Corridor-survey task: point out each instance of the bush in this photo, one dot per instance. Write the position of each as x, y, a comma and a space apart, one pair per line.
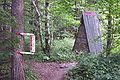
64, 45
96, 67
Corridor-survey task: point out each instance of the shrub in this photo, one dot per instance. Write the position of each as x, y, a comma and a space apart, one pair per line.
96, 67
62, 45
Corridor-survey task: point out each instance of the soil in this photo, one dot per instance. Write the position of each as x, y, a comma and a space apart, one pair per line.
51, 70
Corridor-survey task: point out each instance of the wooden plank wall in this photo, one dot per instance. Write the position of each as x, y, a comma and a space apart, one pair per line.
92, 28
81, 43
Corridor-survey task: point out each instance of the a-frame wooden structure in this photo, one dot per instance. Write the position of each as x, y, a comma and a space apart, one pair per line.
88, 38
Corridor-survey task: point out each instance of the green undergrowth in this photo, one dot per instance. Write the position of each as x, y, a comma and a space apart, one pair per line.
55, 57
63, 45
4, 55
29, 74
61, 50
5, 66
96, 67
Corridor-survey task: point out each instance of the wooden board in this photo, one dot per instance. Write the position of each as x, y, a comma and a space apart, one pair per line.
92, 28
81, 43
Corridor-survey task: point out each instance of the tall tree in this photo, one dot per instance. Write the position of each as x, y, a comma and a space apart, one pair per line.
109, 31
47, 28
17, 59
37, 22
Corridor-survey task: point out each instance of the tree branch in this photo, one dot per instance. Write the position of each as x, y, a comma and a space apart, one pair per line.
36, 9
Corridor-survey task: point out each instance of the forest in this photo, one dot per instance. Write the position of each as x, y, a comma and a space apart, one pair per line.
59, 39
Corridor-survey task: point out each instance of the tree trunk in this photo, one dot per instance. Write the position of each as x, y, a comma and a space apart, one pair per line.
4, 4
109, 32
38, 27
17, 59
77, 10
47, 32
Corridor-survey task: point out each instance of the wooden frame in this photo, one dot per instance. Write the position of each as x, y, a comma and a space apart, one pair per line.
32, 43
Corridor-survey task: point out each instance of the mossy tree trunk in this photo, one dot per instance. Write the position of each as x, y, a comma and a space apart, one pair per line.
109, 32
47, 28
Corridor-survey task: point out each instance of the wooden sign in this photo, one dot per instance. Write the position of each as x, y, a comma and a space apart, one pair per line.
92, 36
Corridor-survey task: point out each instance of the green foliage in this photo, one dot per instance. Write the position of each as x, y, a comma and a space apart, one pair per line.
29, 74
61, 51
5, 66
55, 57
63, 45
6, 18
96, 67
4, 55
62, 14
5, 70
106, 9
116, 46
6, 22
4, 15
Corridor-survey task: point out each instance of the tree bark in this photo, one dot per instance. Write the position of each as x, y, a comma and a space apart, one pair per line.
47, 27
109, 32
17, 59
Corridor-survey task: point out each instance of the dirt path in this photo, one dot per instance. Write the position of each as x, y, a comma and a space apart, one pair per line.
51, 71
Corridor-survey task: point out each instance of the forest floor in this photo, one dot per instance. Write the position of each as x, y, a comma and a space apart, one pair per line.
51, 70
5, 69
